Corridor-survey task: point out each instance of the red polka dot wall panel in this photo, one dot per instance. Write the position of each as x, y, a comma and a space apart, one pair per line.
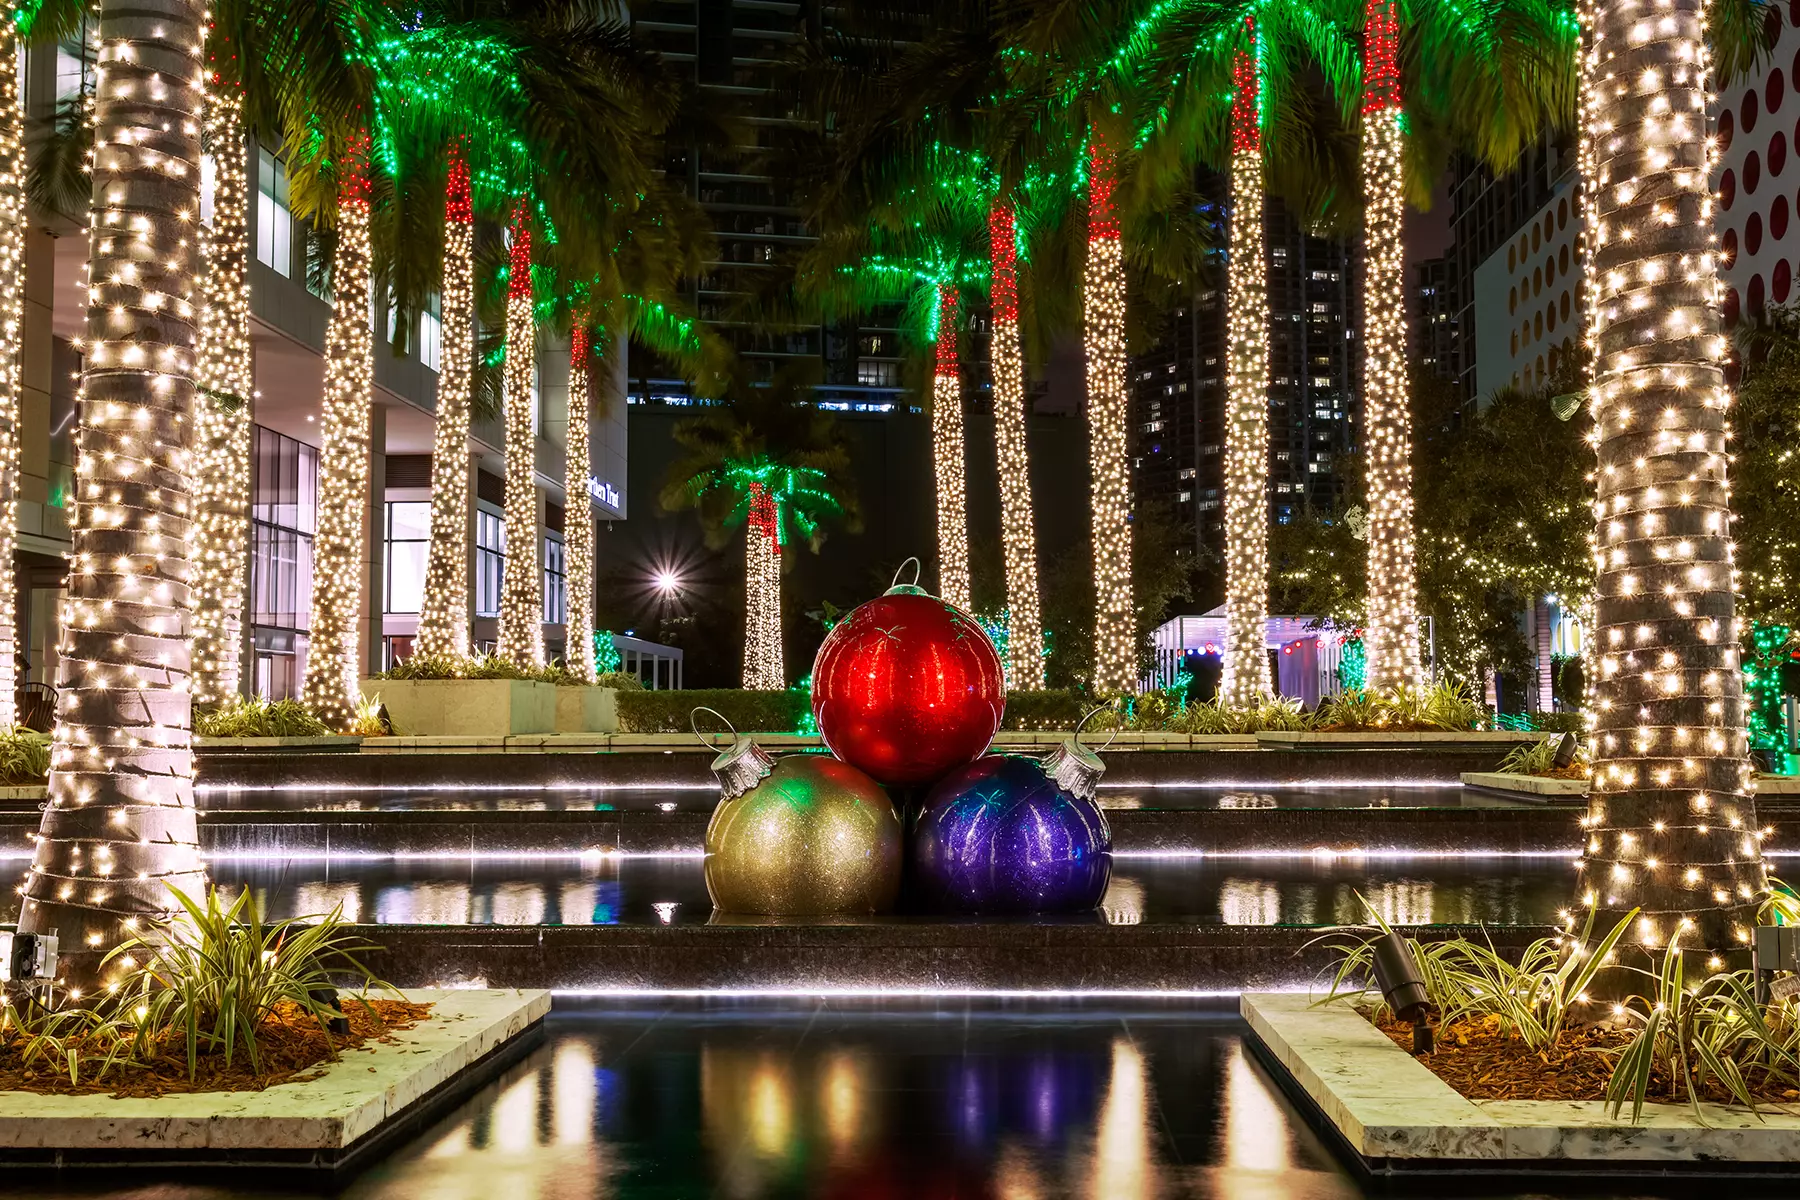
1758, 180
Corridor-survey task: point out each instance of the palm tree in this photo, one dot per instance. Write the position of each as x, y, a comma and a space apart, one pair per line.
119, 829
218, 543
1671, 825
328, 686
931, 117
547, 98
767, 459
522, 587
444, 615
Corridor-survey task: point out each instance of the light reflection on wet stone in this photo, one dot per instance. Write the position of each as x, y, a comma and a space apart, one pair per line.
871, 1106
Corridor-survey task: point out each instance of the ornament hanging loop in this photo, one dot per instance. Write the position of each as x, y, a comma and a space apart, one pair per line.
694, 724
1091, 713
918, 569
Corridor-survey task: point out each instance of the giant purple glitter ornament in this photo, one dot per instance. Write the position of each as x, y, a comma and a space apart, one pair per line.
1010, 834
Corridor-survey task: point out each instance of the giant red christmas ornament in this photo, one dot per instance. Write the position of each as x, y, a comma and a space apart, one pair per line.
907, 687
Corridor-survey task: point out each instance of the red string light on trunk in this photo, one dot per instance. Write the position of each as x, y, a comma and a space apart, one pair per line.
1003, 291
1381, 53
518, 280
458, 206
1246, 98
1103, 218
763, 518
946, 330
356, 189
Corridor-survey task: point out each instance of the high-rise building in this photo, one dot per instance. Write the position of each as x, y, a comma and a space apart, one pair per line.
734, 52
1485, 211
1433, 338
1178, 387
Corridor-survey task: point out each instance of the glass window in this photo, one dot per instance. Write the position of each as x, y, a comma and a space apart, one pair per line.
556, 592
431, 333
490, 561
408, 547
283, 519
274, 219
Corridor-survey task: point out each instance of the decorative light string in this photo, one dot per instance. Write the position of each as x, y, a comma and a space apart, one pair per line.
1018, 538
1103, 320
1246, 675
119, 827
1671, 825
444, 615
1392, 633
225, 384
578, 514
521, 587
763, 666
333, 663
949, 462
13, 218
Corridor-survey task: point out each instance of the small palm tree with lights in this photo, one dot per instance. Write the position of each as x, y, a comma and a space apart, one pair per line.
767, 459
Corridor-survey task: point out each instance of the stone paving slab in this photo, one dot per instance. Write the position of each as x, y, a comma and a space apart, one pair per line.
315, 1123
1533, 787
1398, 1116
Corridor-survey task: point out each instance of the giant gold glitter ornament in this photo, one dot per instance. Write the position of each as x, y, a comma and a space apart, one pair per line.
805, 836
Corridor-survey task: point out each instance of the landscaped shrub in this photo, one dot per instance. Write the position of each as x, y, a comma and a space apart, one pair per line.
1442, 706
1050, 709
257, 716
671, 711
1673, 1036
24, 756
620, 681
216, 999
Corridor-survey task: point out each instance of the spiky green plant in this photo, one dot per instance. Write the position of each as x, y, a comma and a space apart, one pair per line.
215, 975
258, 716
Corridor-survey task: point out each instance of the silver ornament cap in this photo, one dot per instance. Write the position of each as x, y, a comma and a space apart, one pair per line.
741, 768
1075, 769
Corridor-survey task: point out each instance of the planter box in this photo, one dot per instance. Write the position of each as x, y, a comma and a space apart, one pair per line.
1525, 787
345, 1117
324, 743
479, 707
1377, 739
587, 710
1399, 1120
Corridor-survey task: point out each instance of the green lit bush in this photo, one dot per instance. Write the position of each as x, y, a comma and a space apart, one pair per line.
671, 711
257, 717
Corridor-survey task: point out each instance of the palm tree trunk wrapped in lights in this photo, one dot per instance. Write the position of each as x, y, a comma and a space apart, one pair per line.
1671, 826
224, 377
444, 618
951, 469
119, 828
1246, 677
332, 659
578, 514
13, 219
1103, 322
1392, 635
763, 666
1018, 538
521, 586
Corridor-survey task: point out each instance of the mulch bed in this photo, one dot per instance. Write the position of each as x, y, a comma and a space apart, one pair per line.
1483, 1063
290, 1044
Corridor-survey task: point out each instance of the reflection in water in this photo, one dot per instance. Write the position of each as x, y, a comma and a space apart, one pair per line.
1123, 903
1249, 902
1123, 1169
868, 1106
319, 898
1235, 890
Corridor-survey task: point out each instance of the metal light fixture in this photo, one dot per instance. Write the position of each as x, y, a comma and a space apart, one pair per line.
1565, 751
1397, 974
